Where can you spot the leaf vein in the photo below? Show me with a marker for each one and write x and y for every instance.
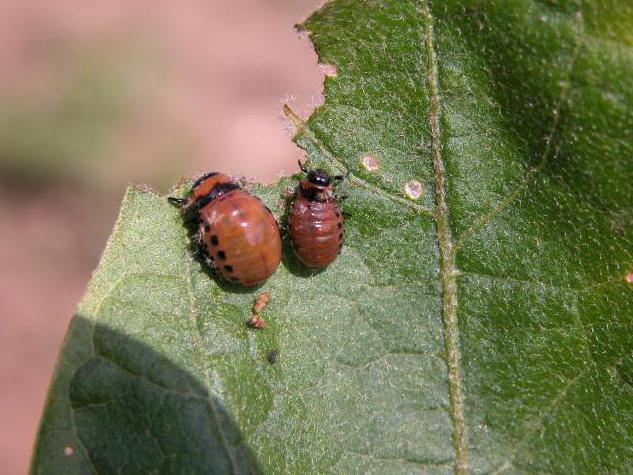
(548, 152)
(540, 421)
(448, 271)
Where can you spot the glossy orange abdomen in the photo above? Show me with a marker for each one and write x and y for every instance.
(316, 230)
(240, 237)
(237, 234)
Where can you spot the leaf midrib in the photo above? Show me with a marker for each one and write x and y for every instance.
(448, 271)
(448, 248)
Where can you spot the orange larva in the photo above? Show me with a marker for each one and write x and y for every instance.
(237, 234)
(315, 224)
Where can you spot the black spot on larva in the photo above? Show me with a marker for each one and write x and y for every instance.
(211, 258)
(268, 209)
(340, 225)
(338, 215)
(222, 255)
(340, 236)
(228, 268)
(207, 228)
(214, 240)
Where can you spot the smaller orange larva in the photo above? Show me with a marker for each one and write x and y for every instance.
(315, 224)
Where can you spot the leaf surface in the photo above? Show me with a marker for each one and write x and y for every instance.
(483, 327)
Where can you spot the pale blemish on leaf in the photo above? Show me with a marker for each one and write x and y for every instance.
(69, 450)
(371, 163)
(414, 189)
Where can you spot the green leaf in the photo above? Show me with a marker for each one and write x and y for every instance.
(483, 327)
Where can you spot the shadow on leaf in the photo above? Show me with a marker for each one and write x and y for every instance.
(134, 411)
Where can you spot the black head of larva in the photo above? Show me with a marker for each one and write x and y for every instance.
(205, 189)
(319, 178)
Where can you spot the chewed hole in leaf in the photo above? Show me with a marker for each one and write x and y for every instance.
(329, 70)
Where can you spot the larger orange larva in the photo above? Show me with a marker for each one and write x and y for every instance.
(315, 223)
(237, 233)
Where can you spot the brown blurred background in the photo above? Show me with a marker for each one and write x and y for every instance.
(96, 95)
